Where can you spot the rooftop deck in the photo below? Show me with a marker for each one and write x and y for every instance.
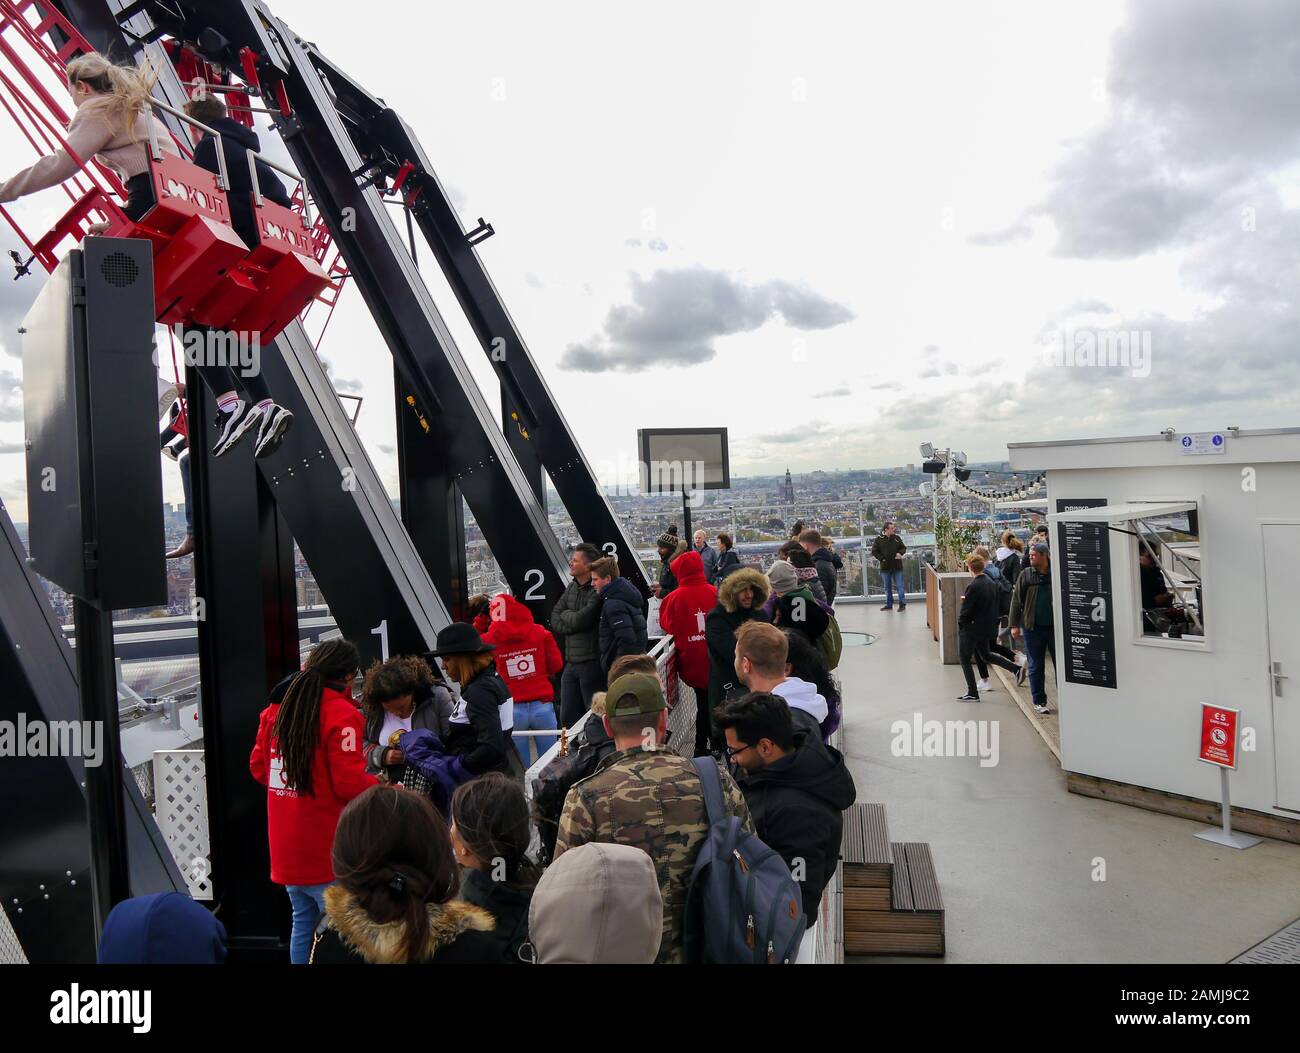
(1016, 855)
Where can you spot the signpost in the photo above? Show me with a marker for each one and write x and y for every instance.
(1082, 563)
(1219, 728)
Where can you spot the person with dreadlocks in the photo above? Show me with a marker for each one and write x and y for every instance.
(490, 832)
(310, 756)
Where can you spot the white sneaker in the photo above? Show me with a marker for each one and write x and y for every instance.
(1041, 710)
(984, 685)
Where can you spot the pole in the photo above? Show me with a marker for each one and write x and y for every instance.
(862, 548)
(1226, 836)
(686, 516)
(97, 678)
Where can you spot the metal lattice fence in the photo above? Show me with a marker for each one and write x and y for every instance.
(181, 810)
(11, 951)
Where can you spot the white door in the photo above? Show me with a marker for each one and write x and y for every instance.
(1282, 573)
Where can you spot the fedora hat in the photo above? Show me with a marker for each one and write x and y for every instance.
(460, 638)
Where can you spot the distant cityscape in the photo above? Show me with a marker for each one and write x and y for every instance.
(757, 511)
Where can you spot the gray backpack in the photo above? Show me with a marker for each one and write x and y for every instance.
(742, 905)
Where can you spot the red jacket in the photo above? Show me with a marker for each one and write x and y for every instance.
(527, 653)
(682, 613)
(301, 827)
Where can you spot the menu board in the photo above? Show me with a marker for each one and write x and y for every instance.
(1082, 563)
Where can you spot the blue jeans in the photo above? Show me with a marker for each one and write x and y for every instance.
(893, 579)
(1038, 644)
(534, 716)
(308, 905)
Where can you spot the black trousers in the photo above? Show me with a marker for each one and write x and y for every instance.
(975, 645)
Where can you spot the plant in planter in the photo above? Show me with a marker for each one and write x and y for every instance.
(953, 544)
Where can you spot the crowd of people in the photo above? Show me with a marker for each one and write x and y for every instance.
(397, 818)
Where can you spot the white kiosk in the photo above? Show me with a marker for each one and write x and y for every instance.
(1176, 582)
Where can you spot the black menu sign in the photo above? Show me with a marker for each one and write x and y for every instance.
(1082, 563)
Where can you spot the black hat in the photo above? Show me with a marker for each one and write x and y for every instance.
(460, 638)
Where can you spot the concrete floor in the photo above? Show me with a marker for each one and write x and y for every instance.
(1015, 853)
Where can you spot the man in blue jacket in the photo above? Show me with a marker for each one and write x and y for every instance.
(622, 621)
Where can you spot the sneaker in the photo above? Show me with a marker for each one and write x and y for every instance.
(232, 425)
(886, 608)
(167, 399)
(1042, 711)
(174, 447)
(902, 606)
(276, 421)
(984, 685)
(1022, 658)
(1022, 674)
(968, 698)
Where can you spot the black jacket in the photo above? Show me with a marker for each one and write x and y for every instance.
(552, 784)
(980, 607)
(507, 905)
(459, 932)
(236, 141)
(827, 564)
(812, 620)
(576, 619)
(720, 627)
(797, 805)
(481, 743)
(622, 622)
(889, 551)
(727, 562)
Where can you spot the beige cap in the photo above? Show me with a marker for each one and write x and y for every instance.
(597, 904)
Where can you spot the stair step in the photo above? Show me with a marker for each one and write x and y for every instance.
(865, 847)
(912, 922)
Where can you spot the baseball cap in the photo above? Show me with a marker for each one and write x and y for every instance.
(634, 694)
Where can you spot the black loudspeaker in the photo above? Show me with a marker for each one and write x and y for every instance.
(90, 398)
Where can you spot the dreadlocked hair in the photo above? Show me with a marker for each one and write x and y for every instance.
(125, 89)
(399, 676)
(392, 851)
(297, 722)
(491, 817)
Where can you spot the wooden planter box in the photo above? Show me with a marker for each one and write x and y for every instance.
(942, 600)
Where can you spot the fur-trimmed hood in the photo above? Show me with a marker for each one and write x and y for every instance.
(737, 580)
(381, 944)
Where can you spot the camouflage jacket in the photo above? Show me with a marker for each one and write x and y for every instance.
(650, 798)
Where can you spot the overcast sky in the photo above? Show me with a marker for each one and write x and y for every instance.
(840, 229)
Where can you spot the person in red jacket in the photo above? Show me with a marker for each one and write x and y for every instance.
(527, 658)
(310, 756)
(682, 613)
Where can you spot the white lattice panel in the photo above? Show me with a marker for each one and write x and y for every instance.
(11, 951)
(180, 788)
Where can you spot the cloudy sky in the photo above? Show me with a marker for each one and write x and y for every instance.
(842, 230)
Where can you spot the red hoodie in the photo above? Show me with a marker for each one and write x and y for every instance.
(301, 827)
(682, 613)
(527, 653)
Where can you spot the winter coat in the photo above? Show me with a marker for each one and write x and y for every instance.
(475, 734)
(797, 804)
(980, 611)
(709, 557)
(459, 932)
(432, 711)
(683, 614)
(889, 551)
(622, 623)
(728, 562)
(300, 826)
(1009, 564)
(828, 565)
(509, 909)
(667, 579)
(236, 141)
(164, 928)
(807, 617)
(721, 624)
(811, 580)
(576, 617)
(527, 654)
(1024, 597)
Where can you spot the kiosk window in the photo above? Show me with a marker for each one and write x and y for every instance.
(1168, 554)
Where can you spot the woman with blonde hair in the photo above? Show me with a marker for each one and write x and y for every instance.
(111, 124)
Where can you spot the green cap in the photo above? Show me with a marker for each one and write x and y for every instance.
(634, 694)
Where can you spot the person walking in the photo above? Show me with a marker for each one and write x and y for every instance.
(1031, 616)
(527, 657)
(575, 618)
(646, 796)
(309, 755)
(888, 551)
(977, 623)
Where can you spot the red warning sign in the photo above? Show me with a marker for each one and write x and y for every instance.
(1219, 735)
